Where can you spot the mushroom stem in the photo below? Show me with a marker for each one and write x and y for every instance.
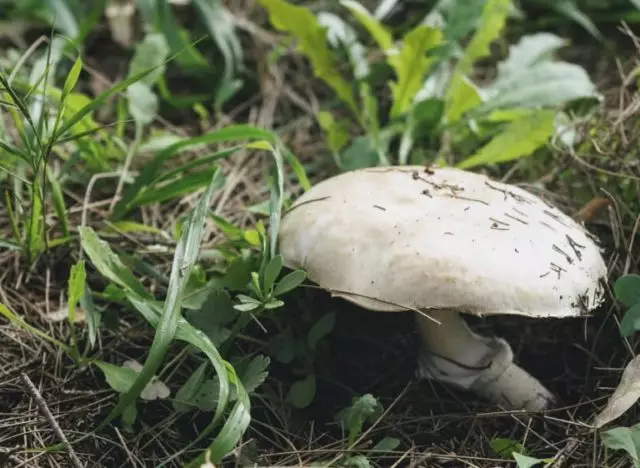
(454, 354)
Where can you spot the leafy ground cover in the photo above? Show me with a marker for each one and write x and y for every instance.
(148, 151)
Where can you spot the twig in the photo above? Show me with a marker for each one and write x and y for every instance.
(47, 414)
(562, 456)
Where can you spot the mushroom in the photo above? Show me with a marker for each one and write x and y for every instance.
(441, 242)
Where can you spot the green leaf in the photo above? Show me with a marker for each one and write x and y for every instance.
(142, 103)
(312, 42)
(92, 315)
(271, 272)
(72, 78)
(289, 281)
(626, 439)
(377, 30)
(119, 378)
(184, 258)
(77, 281)
(220, 25)
(363, 408)
(150, 53)
(337, 131)
(359, 154)
(255, 373)
(62, 17)
(320, 329)
(627, 289)
(525, 461)
(108, 263)
(493, 19)
(177, 38)
(387, 444)
(569, 9)
(411, 64)
(521, 137)
(505, 447)
(542, 85)
(530, 50)
(302, 392)
(630, 322)
(184, 400)
(468, 98)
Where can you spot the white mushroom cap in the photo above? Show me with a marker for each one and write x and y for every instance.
(408, 237)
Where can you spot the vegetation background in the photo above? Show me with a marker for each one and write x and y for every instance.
(148, 149)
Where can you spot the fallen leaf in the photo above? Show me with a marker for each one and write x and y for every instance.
(624, 397)
(62, 314)
(155, 389)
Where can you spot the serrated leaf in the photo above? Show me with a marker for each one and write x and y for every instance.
(519, 138)
(468, 98)
(375, 28)
(627, 289)
(411, 64)
(492, 21)
(320, 329)
(363, 408)
(312, 42)
(255, 373)
(624, 397)
(289, 281)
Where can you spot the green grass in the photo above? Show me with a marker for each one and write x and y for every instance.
(143, 186)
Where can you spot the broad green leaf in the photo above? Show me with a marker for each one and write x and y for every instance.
(541, 85)
(119, 378)
(525, 461)
(359, 154)
(493, 19)
(150, 53)
(627, 289)
(312, 42)
(529, 50)
(626, 439)
(271, 272)
(320, 329)
(387, 444)
(185, 396)
(630, 322)
(77, 282)
(302, 392)
(142, 103)
(505, 447)
(519, 138)
(468, 98)
(411, 64)
(377, 30)
(289, 281)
